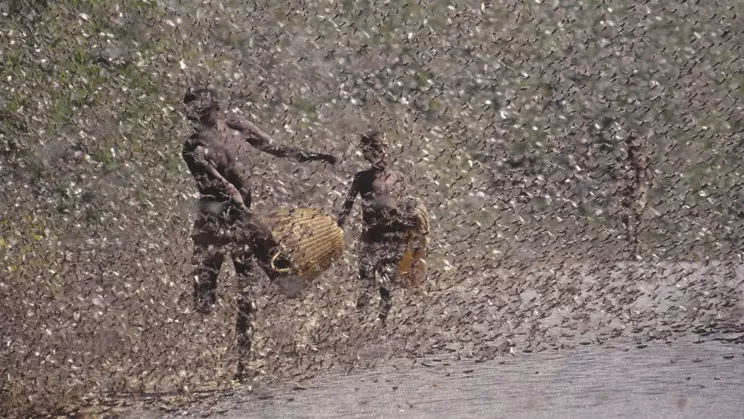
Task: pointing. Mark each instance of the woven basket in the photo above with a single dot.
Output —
(310, 241)
(412, 265)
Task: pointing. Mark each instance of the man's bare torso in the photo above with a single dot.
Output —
(381, 191)
(227, 151)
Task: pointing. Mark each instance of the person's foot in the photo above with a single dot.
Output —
(361, 304)
(386, 303)
(240, 378)
(204, 308)
(382, 317)
(204, 302)
(365, 297)
(244, 375)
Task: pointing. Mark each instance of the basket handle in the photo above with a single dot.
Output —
(273, 263)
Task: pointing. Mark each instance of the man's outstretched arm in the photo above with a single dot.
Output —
(265, 143)
(349, 202)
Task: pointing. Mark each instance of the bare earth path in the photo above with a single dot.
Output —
(688, 379)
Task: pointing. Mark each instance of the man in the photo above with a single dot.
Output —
(224, 220)
(386, 216)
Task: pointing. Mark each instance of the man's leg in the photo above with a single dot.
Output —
(367, 278)
(208, 256)
(244, 325)
(208, 260)
(387, 270)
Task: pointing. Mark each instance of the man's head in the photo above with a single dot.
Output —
(202, 104)
(375, 149)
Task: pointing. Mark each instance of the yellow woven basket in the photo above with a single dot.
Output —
(412, 265)
(310, 241)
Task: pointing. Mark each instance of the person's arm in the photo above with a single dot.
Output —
(263, 142)
(201, 158)
(258, 233)
(349, 202)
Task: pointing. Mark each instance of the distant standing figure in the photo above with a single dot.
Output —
(386, 215)
(223, 216)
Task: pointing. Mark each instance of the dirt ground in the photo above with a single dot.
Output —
(693, 377)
